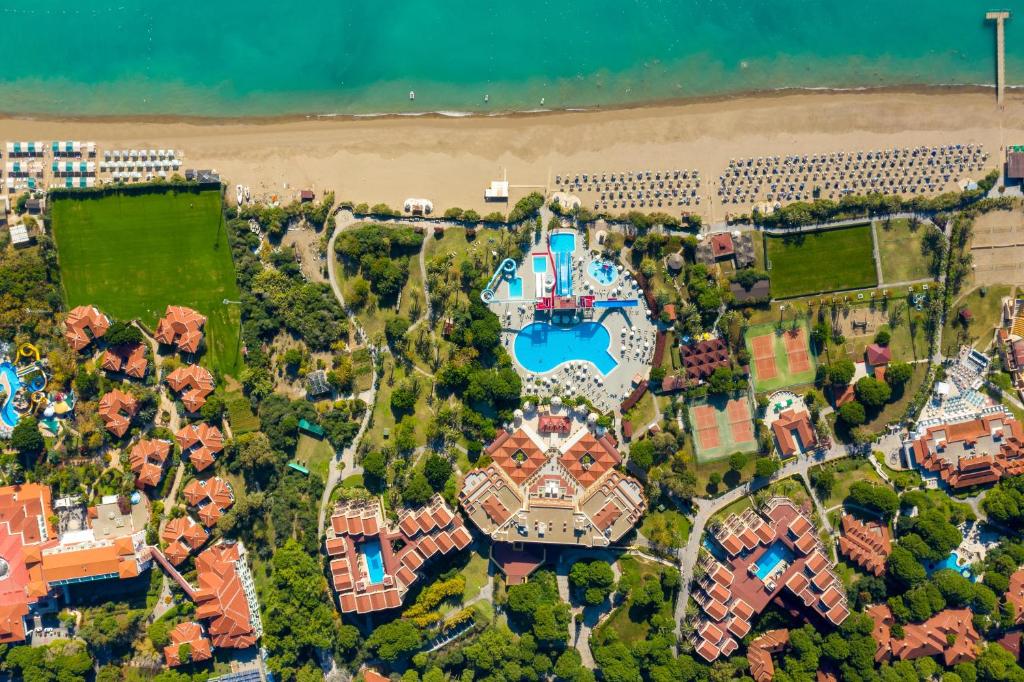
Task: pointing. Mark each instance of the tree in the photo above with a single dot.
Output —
(299, 618)
(375, 470)
(767, 466)
(853, 413)
(882, 337)
(395, 330)
(871, 392)
(879, 498)
(824, 480)
(737, 461)
(437, 469)
(841, 371)
(120, 333)
(26, 439)
(417, 490)
(403, 397)
(720, 381)
(594, 579)
(898, 373)
(395, 640)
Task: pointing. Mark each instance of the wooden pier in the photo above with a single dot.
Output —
(1000, 19)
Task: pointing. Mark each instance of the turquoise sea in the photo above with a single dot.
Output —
(257, 58)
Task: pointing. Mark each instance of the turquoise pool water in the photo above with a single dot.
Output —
(515, 287)
(10, 383)
(374, 561)
(950, 562)
(562, 245)
(541, 347)
(772, 557)
(603, 272)
(540, 263)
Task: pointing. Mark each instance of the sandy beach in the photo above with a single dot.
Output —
(451, 160)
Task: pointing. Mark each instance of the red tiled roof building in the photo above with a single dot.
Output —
(211, 498)
(129, 359)
(201, 443)
(226, 597)
(194, 383)
(84, 324)
(571, 493)
(181, 327)
(703, 358)
(794, 433)
(866, 544)
(972, 453)
(199, 646)
(949, 634)
(183, 536)
(147, 459)
(367, 572)
(117, 409)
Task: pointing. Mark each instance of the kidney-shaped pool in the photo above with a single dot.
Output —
(541, 347)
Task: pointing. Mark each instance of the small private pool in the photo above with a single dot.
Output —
(515, 287)
(9, 385)
(772, 557)
(540, 347)
(952, 563)
(540, 264)
(374, 561)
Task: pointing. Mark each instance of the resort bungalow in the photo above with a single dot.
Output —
(187, 634)
(794, 433)
(949, 635)
(83, 325)
(867, 544)
(193, 383)
(181, 327)
(116, 409)
(147, 459)
(183, 536)
(1014, 163)
(129, 359)
(200, 443)
(373, 565)
(211, 498)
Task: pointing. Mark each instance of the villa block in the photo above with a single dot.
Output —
(567, 493)
(759, 554)
(147, 459)
(866, 544)
(194, 383)
(183, 536)
(794, 433)
(129, 359)
(211, 498)
(191, 634)
(949, 634)
(201, 443)
(373, 565)
(117, 409)
(181, 327)
(83, 325)
(226, 597)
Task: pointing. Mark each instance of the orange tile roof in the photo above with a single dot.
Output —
(147, 459)
(212, 497)
(759, 654)
(221, 599)
(930, 638)
(1015, 596)
(130, 359)
(86, 562)
(84, 324)
(191, 634)
(24, 529)
(194, 383)
(182, 327)
(517, 454)
(973, 468)
(866, 544)
(183, 534)
(589, 457)
(788, 422)
(201, 443)
(117, 409)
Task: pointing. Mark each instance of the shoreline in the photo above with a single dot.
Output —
(450, 161)
(192, 119)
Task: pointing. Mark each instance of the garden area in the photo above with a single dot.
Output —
(901, 249)
(985, 306)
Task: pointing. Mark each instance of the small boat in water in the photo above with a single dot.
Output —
(412, 95)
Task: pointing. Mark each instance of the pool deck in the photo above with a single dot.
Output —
(633, 354)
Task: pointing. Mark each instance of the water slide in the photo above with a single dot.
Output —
(564, 273)
(614, 303)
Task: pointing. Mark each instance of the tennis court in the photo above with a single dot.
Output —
(722, 425)
(781, 357)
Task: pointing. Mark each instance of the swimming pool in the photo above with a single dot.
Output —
(374, 561)
(603, 272)
(951, 563)
(562, 245)
(772, 557)
(515, 287)
(9, 384)
(540, 264)
(541, 347)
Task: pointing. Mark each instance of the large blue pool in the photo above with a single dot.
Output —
(541, 347)
(772, 557)
(9, 384)
(374, 561)
(604, 272)
(562, 246)
(951, 563)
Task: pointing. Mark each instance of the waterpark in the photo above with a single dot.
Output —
(575, 323)
(23, 382)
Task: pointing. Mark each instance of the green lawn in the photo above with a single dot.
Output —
(314, 454)
(643, 413)
(134, 255)
(847, 472)
(833, 260)
(475, 573)
(657, 523)
(240, 414)
(627, 626)
(985, 309)
(900, 251)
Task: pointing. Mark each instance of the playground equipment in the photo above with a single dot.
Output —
(509, 270)
(27, 350)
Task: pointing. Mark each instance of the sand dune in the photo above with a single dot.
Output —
(451, 160)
